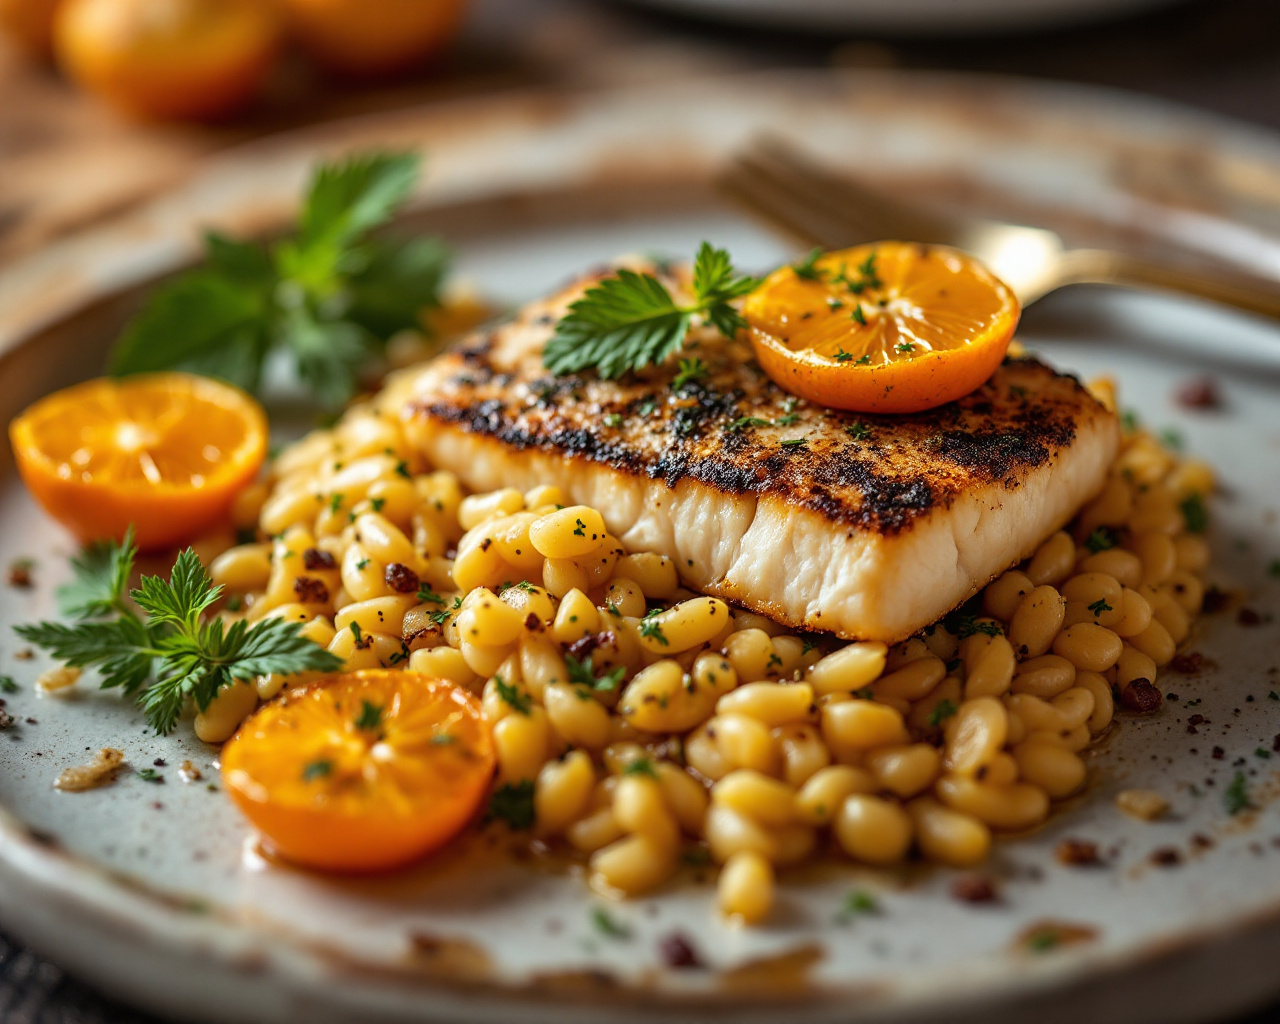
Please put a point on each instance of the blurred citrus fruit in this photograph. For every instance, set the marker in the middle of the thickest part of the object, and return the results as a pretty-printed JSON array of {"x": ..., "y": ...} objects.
[
  {"x": 29, "y": 23},
  {"x": 169, "y": 58},
  {"x": 361, "y": 772},
  {"x": 165, "y": 452},
  {"x": 371, "y": 37},
  {"x": 892, "y": 327}
]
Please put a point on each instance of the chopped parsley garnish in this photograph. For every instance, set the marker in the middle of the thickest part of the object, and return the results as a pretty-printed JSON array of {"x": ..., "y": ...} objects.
[
  {"x": 1171, "y": 439},
  {"x": 650, "y": 627},
  {"x": 794, "y": 442},
  {"x": 905, "y": 346},
  {"x": 857, "y": 902},
  {"x": 606, "y": 925},
  {"x": 747, "y": 421},
  {"x": 580, "y": 529},
  {"x": 377, "y": 503},
  {"x": 317, "y": 770},
  {"x": 629, "y": 320},
  {"x": 362, "y": 564},
  {"x": 1262, "y": 752},
  {"x": 1272, "y": 695},
  {"x": 787, "y": 420},
  {"x": 513, "y": 803},
  {"x": 524, "y": 585},
  {"x": 583, "y": 673},
  {"x": 943, "y": 710},
  {"x": 520, "y": 703},
  {"x": 863, "y": 360},
  {"x": 842, "y": 356},
  {"x": 641, "y": 766},
  {"x": 335, "y": 502},
  {"x": 1129, "y": 421},
  {"x": 1099, "y": 606},
  {"x": 150, "y": 775},
  {"x": 647, "y": 407},
  {"x": 612, "y": 419},
  {"x": 329, "y": 293},
  {"x": 858, "y": 315},
  {"x": 8, "y": 684},
  {"x": 443, "y": 616},
  {"x": 1236, "y": 796},
  {"x": 858, "y": 431},
  {"x": 689, "y": 369},
  {"x": 174, "y": 653},
  {"x": 370, "y": 716},
  {"x": 1195, "y": 514},
  {"x": 428, "y": 596},
  {"x": 1101, "y": 539},
  {"x": 402, "y": 469},
  {"x": 808, "y": 268},
  {"x": 443, "y": 739},
  {"x": 964, "y": 626},
  {"x": 356, "y": 631}
]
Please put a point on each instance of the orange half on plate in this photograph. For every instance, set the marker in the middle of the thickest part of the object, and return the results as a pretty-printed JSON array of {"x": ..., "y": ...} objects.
[
  {"x": 893, "y": 327},
  {"x": 165, "y": 452}
]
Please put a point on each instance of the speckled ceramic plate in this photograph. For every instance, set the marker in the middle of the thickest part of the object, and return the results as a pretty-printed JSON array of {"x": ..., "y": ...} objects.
[{"x": 152, "y": 891}]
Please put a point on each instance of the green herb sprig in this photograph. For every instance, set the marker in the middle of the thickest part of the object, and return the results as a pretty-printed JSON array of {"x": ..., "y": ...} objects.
[
  {"x": 330, "y": 294},
  {"x": 174, "y": 652},
  {"x": 629, "y": 320}
]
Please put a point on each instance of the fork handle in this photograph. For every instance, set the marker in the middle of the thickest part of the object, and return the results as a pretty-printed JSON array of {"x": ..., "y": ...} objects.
[{"x": 1232, "y": 288}]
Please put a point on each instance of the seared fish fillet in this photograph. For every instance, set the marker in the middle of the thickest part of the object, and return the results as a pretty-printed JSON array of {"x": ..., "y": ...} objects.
[{"x": 871, "y": 528}]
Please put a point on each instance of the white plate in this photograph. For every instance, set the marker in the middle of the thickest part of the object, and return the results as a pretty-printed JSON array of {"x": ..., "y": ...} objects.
[
  {"x": 911, "y": 17},
  {"x": 167, "y": 906}
]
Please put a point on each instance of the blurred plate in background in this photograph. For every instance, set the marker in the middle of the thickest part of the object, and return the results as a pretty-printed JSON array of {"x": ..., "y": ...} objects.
[{"x": 913, "y": 17}]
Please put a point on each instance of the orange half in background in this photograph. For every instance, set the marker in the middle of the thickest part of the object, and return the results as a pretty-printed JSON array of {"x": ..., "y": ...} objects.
[
  {"x": 165, "y": 452},
  {"x": 893, "y": 327}
]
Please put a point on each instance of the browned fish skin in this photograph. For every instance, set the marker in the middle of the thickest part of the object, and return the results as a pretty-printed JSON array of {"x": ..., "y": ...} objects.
[{"x": 866, "y": 476}]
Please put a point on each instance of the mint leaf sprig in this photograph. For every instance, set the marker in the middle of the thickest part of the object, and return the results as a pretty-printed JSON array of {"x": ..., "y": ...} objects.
[
  {"x": 329, "y": 294},
  {"x": 629, "y": 320},
  {"x": 173, "y": 653}
]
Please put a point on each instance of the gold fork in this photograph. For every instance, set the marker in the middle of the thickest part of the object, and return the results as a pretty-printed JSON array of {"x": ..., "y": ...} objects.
[{"x": 819, "y": 207}]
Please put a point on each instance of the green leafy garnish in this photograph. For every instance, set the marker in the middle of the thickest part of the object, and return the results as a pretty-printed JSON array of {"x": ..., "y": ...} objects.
[
  {"x": 606, "y": 925},
  {"x": 520, "y": 703},
  {"x": 650, "y": 627},
  {"x": 943, "y": 710},
  {"x": 1236, "y": 796},
  {"x": 428, "y": 596},
  {"x": 370, "y": 716},
  {"x": 794, "y": 442},
  {"x": 690, "y": 369},
  {"x": 1195, "y": 513},
  {"x": 629, "y": 320},
  {"x": 807, "y": 269},
  {"x": 317, "y": 770},
  {"x": 641, "y": 766},
  {"x": 150, "y": 775},
  {"x": 858, "y": 431},
  {"x": 964, "y": 626},
  {"x": 330, "y": 294},
  {"x": 513, "y": 803},
  {"x": 747, "y": 421},
  {"x": 583, "y": 673},
  {"x": 1101, "y": 539},
  {"x": 858, "y": 315},
  {"x": 100, "y": 580},
  {"x": 1099, "y": 606},
  {"x": 8, "y": 684},
  {"x": 173, "y": 653}
]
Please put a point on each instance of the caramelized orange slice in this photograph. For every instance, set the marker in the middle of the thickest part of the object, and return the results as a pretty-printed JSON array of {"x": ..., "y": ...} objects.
[
  {"x": 361, "y": 772},
  {"x": 165, "y": 452},
  {"x": 889, "y": 328}
]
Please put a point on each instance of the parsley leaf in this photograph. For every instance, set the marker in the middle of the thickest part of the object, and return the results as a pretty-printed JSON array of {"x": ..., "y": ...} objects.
[
  {"x": 100, "y": 581},
  {"x": 943, "y": 710},
  {"x": 807, "y": 269},
  {"x": 1099, "y": 606},
  {"x": 583, "y": 673},
  {"x": 1236, "y": 796},
  {"x": 629, "y": 320},
  {"x": 650, "y": 627},
  {"x": 1101, "y": 539},
  {"x": 370, "y": 716},
  {"x": 513, "y": 803},
  {"x": 858, "y": 431},
  {"x": 690, "y": 369},
  {"x": 329, "y": 293},
  {"x": 173, "y": 653},
  {"x": 520, "y": 703},
  {"x": 641, "y": 766},
  {"x": 1195, "y": 514}
]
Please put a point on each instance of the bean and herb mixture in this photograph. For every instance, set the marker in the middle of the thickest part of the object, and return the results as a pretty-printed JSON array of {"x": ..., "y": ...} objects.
[{"x": 643, "y": 726}]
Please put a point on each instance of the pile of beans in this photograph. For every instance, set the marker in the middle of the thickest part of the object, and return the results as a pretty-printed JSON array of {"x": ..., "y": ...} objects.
[{"x": 649, "y": 725}]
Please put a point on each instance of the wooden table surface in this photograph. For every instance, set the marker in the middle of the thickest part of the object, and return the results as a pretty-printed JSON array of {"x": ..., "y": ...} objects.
[{"x": 66, "y": 163}]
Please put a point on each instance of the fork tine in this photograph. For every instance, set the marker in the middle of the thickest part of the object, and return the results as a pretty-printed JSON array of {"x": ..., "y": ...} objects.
[
  {"x": 790, "y": 190},
  {"x": 887, "y": 216}
]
